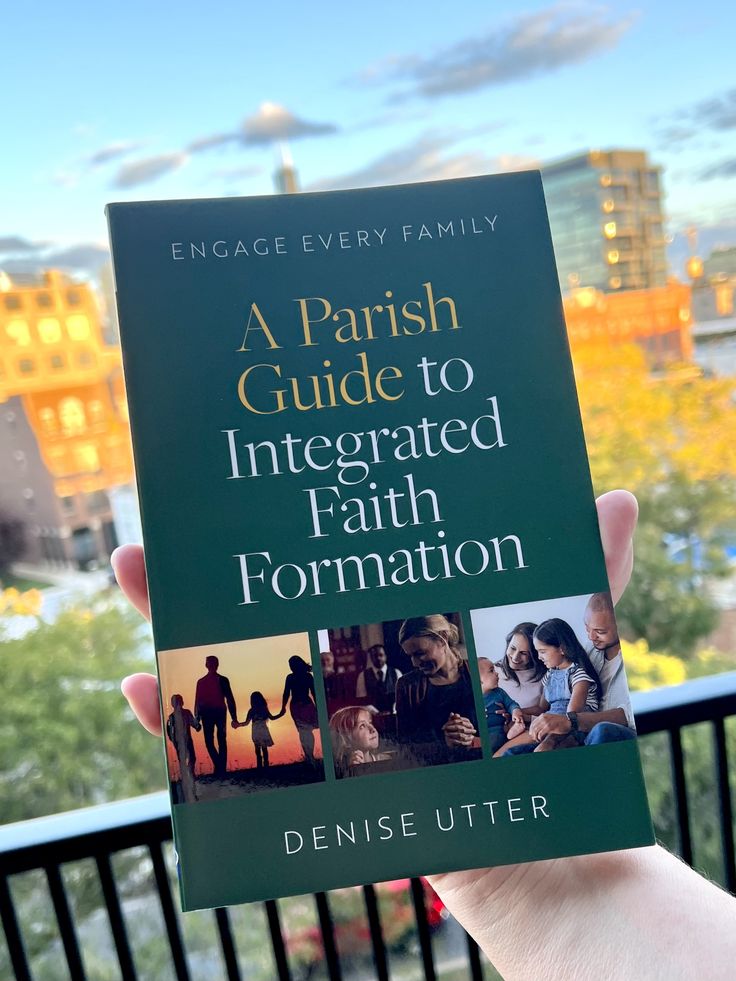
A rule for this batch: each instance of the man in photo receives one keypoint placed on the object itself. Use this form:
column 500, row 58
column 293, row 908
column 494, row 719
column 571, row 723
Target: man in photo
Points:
column 377, row 683
column 614, row 721
column 213, row 699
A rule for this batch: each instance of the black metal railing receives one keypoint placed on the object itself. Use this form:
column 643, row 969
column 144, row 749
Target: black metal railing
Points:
column 100, row 834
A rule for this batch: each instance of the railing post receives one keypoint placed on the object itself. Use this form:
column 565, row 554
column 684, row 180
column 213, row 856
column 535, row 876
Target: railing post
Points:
column 678, row 780
column 425, row 940
column 66, row 923
column 16, row 947
column 724, row 799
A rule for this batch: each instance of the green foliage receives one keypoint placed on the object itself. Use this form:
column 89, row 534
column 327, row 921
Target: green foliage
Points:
column 667, row 603
column 67, row 736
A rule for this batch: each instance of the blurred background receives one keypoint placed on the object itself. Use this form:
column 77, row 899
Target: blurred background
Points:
column 630, row 113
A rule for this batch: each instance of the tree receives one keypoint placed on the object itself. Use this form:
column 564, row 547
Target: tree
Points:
column 67, row 737
column 670, row 438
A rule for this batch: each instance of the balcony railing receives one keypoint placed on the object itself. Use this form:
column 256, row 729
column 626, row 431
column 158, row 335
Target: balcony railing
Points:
column 45, row 847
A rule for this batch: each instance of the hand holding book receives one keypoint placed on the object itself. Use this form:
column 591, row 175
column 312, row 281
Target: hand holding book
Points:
column 606, row 894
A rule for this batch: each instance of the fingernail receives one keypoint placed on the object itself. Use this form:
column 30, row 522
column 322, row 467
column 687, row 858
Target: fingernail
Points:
column 114, row 558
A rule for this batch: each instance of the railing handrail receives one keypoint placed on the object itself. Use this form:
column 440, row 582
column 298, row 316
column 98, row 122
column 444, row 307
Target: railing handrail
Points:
column 699, row 700
column 122, row 824
column 33, row 843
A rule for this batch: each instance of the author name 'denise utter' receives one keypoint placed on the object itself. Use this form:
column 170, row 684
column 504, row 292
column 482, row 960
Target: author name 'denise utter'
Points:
column 411, row 824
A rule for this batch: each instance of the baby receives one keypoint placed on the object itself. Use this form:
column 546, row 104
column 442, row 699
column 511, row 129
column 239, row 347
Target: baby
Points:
column 499, row 706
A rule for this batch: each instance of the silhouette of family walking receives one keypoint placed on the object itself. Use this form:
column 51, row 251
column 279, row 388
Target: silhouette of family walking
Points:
column 214, row 699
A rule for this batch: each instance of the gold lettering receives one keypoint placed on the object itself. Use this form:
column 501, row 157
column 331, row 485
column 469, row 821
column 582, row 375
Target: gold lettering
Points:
column 307, row 321
column 278, row 392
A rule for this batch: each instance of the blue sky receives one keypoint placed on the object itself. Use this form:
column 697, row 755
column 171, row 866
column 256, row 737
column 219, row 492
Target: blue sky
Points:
column 164, row 100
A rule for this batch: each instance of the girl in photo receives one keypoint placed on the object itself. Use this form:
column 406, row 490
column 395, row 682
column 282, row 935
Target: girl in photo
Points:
column 355, row 740
column 258, row 716
column 299, row 696
column 570, row 685
column 520, row 672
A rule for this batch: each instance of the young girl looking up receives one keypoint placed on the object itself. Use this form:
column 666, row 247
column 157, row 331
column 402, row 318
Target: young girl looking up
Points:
column 354, row 738
column 570, row 685
column 258, row 716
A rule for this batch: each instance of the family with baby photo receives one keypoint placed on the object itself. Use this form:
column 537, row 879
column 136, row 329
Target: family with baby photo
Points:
column 547, row 692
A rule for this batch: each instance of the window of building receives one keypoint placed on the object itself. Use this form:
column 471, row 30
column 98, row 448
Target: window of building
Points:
column 57, row 362
column 615, row 282
column 47, row 418
column 608, row 205
column 68, row 504
column 85, row 359
column 77, row 327
column 26, row 366
column 73, row 298
column 72, row 417
column 49, row 330
column 97, row 501
column 18, row 331
column 96, row 411
column 87, row 458
column 609, row 229
column 13, row 302
column 44, row 300
column 612, row 257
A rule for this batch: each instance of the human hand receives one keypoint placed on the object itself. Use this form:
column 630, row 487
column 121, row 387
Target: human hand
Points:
column 235, row 724
column 549, row 724
column 481, row 898
column 516, row 728
column 357, row 757
column 458, row 730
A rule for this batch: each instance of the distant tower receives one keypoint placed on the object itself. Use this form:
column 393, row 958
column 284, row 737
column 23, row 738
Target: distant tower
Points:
column 285, row 177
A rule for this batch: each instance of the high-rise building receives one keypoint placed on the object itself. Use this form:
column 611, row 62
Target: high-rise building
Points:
column 64, row 438
column 285, row 178
column 605, row 211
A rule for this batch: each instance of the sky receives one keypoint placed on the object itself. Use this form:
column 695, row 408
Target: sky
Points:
column 175, row 100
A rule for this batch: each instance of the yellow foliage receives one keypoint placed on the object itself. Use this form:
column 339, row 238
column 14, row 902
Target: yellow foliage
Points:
column 15, row 603
column 647, row 669
column 640, row 428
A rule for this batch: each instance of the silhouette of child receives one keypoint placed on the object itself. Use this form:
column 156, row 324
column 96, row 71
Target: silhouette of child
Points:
column 179, row 727
column 258, row 716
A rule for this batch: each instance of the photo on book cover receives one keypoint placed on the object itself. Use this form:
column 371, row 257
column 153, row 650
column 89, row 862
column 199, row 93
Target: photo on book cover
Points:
column 399, row 694
column 240, row 717
column 561, row 657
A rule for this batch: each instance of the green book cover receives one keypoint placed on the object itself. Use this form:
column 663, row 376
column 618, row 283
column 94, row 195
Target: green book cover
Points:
column 371, row 541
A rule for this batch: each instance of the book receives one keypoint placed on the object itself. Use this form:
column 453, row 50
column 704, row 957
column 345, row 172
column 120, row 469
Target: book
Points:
column 371, row 541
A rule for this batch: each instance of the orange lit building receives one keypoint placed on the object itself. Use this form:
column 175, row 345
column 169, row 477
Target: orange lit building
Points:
column 64, row 438
column 659, row 320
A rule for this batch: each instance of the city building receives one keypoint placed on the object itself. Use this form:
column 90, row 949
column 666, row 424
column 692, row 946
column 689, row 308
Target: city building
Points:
column 64, row 439
column 285, row 178
column 659, row 320
column 605, row 211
